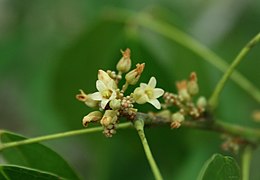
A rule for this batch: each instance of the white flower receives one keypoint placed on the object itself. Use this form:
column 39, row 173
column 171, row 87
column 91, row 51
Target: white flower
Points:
column 106, row 92
column 148, row 93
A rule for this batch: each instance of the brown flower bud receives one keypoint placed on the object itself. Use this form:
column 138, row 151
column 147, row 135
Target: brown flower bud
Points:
column 91, row 117
column 86, row 99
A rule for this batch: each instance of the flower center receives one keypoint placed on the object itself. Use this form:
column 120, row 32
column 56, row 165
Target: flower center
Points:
column 107, row 93
column 149, row 93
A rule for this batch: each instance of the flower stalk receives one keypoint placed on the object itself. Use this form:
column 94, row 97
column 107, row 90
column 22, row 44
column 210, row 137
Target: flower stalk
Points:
column 139, row 126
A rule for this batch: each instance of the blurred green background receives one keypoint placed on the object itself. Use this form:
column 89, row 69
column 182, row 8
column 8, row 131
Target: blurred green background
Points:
column 50, row 49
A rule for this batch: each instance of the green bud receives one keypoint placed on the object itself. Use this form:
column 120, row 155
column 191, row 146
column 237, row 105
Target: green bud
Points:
column 202, row 102
column 178, row 117
column 193, row 87
column 115, row 104
column 124, row 63
column 110, row 117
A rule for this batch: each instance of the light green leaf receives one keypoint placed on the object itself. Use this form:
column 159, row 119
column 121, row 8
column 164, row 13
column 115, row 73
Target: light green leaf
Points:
column 10, row 172
column 220, row 167
column 35, row 156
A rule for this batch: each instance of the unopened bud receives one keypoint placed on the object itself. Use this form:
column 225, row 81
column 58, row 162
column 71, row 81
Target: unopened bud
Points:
column 115, row 104
column 110, row 117
column 124, row 63
column 91, row 117
column 178, row 117
column 184, row 95
column 106, row 79
column 182, row 90
column 193, row 87
column 87, row 99
column 202, row 102
column 133, row 76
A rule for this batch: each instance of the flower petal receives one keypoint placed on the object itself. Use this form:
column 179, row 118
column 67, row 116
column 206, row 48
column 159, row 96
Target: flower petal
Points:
column 152, row 82
column 157, row 92
column 100, row 86
column 103, row 76
column 96, row 96
column 112, row 84
column 141, row 99
column 143, row 85
column 155, row 103
column 104, row 103
column 113, row 95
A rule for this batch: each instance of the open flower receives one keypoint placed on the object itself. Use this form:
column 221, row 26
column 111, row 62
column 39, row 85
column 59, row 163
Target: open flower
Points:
column 106, row 92
column 148, row 93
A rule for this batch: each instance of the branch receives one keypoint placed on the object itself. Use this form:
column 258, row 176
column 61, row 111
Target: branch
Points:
column 58, row 135
column 213, row 101
column 246, row 159
column 253, row 135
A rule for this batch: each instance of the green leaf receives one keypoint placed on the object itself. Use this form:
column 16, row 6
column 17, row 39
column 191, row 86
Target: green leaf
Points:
column 10, row 172
column 220, row 167
column 35, row 156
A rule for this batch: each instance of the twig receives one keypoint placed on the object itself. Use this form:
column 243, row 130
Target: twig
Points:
column 139, row 125
column 57, row 136
column 213, row 101
column 246, row 159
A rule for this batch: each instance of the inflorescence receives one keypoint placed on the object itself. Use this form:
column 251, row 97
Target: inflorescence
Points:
column 112, row 100
column 114, row 103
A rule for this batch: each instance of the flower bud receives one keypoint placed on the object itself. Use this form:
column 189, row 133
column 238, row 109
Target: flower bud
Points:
column 91, row 117
column 202, row 102
column 87, row 99
column 193, row 87
column 182, row 90
column 110, row 117
column 133, row 76
column 124, row 63
column 177, row 118
column 106, row 79
column 115, row 104
column 184, row 95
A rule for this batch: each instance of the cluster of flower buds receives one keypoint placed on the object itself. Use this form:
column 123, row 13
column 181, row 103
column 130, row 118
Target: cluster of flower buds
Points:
column 232, row 144
column 187, row 89
column 111, row 99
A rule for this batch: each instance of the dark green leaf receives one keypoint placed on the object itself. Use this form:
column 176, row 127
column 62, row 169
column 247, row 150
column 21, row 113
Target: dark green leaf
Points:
column 10, row 172
column 35, row 156
column 220, row 167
